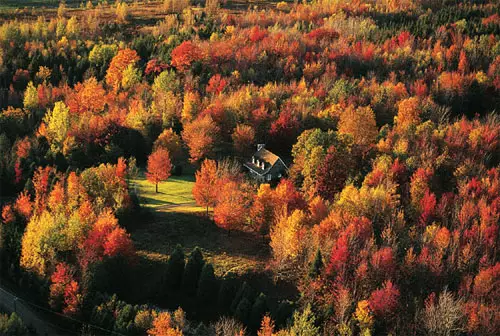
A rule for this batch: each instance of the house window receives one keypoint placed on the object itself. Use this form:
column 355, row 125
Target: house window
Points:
column 269, row 177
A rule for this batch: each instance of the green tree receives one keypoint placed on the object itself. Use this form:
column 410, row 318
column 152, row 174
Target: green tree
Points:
column 227, row 292
column 243, row 311
column 164, row 82
column 192, row 271
column 259, row 309
column 175, row 268
column 304, row 323
column 316, row 266
column 245, row 291
column 207, row 286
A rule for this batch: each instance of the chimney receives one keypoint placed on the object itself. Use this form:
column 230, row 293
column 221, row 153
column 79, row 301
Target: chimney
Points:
column 260, row 146
column 253, row 159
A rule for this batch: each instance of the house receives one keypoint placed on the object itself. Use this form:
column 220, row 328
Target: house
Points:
column 265, row 166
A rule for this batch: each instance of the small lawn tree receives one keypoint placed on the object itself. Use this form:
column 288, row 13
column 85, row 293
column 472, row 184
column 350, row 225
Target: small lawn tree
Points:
column 159, row 166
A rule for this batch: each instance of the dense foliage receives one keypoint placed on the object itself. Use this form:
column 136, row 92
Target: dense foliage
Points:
column 388, row 220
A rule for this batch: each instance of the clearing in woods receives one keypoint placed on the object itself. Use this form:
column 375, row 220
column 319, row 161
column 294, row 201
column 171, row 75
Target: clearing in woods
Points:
column 176, row 219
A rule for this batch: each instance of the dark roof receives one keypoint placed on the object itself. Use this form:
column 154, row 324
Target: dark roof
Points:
column 263, row 155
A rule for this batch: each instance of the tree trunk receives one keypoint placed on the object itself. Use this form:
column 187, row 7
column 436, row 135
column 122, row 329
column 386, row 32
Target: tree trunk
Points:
column 156, row 187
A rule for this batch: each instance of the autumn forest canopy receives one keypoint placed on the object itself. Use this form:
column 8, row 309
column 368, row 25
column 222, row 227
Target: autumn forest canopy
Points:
column 128, row 133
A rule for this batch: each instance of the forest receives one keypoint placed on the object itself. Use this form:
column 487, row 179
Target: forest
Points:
column 126, row 131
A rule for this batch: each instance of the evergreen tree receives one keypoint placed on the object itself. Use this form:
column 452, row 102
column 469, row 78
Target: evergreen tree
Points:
column 316, row 266
column 175, row 268
column 245, row 291
column 227, row 292
column 283, row 313
column 243, row 311
column 207, row 286
column 192, row 271
column 259, row 309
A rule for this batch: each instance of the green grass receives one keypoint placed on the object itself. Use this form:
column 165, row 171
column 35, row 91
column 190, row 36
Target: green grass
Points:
column 176, row 219
column 175, row 193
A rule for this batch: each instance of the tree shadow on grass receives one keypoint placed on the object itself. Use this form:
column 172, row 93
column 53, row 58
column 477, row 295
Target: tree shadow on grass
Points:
column 194, row 229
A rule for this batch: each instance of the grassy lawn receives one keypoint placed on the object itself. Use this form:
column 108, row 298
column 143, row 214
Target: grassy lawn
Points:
column 175, row 193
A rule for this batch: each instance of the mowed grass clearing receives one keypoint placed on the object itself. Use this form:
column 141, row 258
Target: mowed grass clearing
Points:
column 175, row 193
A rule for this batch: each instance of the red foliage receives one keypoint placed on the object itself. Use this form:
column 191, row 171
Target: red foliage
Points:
column 216, row 84
column 339, row 257
column 332, row 174
column 487, row 284
column 288, row 197
column 427, row 207
column 18, row 171
column 8, row 215
column 64, row 290
column 322, row 34
column 121, row 170
column 155, row 66
column 118, row 242
column 159, row 166
column 384, row 302
column 118, row 64
column 257, row 34
column 23, row 148
column 383, row 261
column 24, row 206
column 185, row 54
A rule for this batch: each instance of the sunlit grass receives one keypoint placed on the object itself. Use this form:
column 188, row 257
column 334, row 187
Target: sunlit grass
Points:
column 173, row 194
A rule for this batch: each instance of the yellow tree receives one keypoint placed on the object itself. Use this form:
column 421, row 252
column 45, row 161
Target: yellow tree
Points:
column 287, row 236
column 408, row 113
column 56, row 126
column 360, row 123
column 163, row 326
column 30, row 97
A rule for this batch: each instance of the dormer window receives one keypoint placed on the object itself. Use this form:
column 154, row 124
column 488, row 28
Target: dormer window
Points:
column 263, row 165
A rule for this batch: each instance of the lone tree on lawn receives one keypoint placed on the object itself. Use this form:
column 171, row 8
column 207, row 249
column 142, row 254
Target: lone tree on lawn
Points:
column 159, row 166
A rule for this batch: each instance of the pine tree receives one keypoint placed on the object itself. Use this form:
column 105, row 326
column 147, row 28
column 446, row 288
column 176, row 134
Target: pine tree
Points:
column 245, row 291
column 192, row 271
column 207, row 286
column 243, row 311
column 259, row 309
column 227, row 292
column 175, row 268
column 316, row 266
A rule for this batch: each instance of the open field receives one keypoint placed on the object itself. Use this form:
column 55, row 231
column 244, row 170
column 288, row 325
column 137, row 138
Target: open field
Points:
column 173, row 193
column 141, row 13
